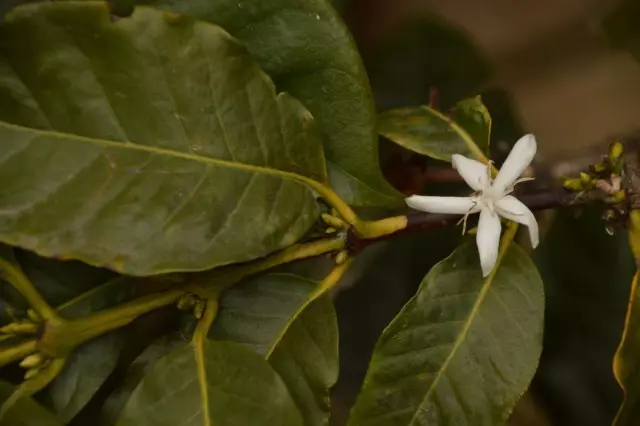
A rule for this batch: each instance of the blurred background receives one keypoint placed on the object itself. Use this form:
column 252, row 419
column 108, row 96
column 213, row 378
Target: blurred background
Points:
column 562, row 69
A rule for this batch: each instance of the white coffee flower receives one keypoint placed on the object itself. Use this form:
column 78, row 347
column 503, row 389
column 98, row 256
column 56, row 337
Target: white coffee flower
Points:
column 491, row 198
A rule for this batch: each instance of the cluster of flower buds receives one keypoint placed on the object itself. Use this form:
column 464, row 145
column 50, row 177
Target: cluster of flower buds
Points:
column 605, row 177
column 191, row 302
column 334, row 224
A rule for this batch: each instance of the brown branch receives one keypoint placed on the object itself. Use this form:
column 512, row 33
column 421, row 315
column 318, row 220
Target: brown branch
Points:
column 536, row 201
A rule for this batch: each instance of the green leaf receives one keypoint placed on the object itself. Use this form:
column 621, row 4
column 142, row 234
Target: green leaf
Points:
column 148, row 144
column 25, row 411
column 60, row 281
column 625, row 363
column 308, row 51
column 278, row 316
column 118, row 398
column 216, row 383
column 258, row 312
column 473, row 116
column 91, row 364
column 429, row 132
column 462, row 351
column 307, row 360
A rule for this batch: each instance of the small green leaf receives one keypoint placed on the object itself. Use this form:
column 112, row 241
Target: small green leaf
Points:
column 216, row 383
column 25, row 411
column 91, row 364
column 146, row 144
column 462, row 351
column 625, row 364
column 473, row 116
column 278, row 316
column 429, row 132
column 307, row 50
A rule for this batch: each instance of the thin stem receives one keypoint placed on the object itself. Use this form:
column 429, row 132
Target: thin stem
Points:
column 420, row 222
column 202, row 329
column 15, row 353
column 12, row 273
column 219, row 279
column 59, row 340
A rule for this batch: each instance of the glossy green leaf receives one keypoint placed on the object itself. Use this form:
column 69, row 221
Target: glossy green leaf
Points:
column 462, row 351
column 91, row 364
column 118, row 398
column 277, row 317
column 429, row 132
column 25, row 411
column 149, row 144
column 308, row 51
column 473, row 116
column 625, row 363
column 217, row 383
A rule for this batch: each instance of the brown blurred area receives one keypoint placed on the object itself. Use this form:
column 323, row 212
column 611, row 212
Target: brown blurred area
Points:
column 568, row 85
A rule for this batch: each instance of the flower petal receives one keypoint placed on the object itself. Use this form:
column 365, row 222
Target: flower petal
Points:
column 449, row 205
column 473, row 172
column 518, row 160
column 488, row 240
column 511, row 208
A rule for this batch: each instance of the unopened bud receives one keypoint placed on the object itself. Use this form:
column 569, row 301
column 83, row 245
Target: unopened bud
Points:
column 617, row 197
column 198, row 309
column 599, row 167
column 33, row 316
column 573, row 184
column 31, row 373
column 32, row 361
column 341, row 257
column 186, row 302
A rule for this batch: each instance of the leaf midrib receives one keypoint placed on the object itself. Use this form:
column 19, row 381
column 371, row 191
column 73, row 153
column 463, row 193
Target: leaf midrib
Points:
column 167, row 152
column 508, row 237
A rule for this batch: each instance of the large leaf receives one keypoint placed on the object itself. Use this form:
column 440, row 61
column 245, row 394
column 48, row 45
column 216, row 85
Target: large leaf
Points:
column 307, row 360
column 149, row 144
column 625, row 364
column 308, row 51
column 92, row 363
column 258, row 312
column 429, row 132
column 118, row 398
column 276, row 316
column 212, row 383
column 462, row 351
column 25, row 411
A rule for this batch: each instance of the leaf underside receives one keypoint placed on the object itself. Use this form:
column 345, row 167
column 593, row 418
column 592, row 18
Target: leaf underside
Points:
column 149, row 144
column 462, row 351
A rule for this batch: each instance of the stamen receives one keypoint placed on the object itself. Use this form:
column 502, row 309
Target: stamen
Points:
column 520, row 180
column 464, row 218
